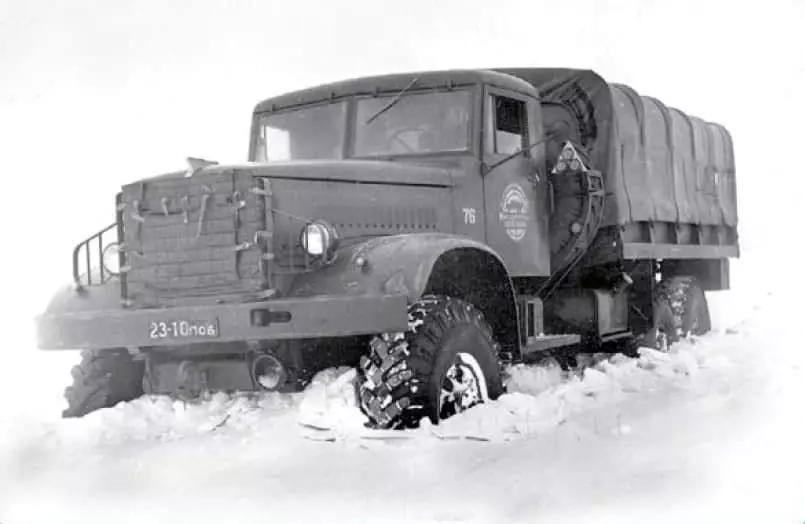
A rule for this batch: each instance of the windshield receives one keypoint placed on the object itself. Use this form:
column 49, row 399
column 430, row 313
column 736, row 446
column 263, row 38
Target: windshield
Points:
column 313, row 133
column 414, row 124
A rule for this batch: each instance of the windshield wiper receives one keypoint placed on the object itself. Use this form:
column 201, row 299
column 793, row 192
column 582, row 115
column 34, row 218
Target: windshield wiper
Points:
column 391, row 102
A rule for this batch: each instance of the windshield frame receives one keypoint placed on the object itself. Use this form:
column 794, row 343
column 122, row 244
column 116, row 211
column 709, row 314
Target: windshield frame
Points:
column 469, row 148
column 351, row 123
column 258, row 118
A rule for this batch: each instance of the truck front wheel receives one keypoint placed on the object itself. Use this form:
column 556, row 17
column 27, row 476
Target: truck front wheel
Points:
column 101, row 380
column 444, row 364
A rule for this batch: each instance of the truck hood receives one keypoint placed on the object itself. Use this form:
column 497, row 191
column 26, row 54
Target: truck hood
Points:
column 199, row 237
column 369, row 171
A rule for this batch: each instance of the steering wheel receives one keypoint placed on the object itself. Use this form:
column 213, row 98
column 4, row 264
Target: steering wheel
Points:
column 397, row 136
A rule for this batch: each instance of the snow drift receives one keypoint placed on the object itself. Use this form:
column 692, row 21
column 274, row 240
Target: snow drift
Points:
column 708, row 431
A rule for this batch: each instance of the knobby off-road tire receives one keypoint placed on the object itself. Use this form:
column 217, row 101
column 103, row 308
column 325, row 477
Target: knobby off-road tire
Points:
column 101, row 380
column 680, row 310
column 445, row 363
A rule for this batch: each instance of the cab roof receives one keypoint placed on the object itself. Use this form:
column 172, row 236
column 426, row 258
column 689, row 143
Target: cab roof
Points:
column 392, row 84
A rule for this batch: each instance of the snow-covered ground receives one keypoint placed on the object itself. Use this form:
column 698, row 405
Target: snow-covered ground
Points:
column 712, row 432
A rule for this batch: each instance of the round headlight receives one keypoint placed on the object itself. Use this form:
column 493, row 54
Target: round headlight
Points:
column 318, row 238
column 110, row 259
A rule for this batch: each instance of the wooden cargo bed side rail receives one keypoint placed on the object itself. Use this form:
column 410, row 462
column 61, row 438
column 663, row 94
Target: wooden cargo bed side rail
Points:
column 644, row 250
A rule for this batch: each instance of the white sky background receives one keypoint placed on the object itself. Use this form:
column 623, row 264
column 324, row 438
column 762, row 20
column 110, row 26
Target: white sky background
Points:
column 94, row 94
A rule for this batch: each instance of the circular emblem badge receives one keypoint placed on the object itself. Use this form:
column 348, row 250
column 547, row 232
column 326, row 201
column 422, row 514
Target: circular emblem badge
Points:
column 514, row 212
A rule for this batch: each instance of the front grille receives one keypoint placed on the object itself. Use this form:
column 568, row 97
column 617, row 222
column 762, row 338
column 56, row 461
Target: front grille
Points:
column 195, row 239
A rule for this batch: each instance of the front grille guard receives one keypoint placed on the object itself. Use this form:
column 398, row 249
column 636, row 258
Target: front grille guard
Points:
column 88, row 255
column 281, row 254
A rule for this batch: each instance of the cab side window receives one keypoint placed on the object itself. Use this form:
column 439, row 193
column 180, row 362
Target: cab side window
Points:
column 508, row 125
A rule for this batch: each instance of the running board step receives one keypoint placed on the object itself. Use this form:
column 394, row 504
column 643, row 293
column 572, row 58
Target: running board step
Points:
column 546, row 342
column 614, row 337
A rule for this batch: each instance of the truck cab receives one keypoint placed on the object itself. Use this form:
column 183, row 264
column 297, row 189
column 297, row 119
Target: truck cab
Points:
column 483, row 127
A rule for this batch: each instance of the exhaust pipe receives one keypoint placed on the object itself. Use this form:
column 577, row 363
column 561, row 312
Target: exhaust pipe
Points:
column 268, row 373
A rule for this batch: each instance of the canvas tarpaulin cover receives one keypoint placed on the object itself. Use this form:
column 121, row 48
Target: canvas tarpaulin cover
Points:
column 659, row 164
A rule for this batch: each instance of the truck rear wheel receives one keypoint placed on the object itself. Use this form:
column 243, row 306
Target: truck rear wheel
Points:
column 101, row 380
column 680, row 309
column 444, row 364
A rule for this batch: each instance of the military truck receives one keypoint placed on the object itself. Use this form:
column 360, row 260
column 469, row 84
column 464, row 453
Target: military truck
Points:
column 427, row 228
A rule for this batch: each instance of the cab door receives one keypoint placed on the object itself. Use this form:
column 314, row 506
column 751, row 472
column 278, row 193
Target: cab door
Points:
column 515, row 191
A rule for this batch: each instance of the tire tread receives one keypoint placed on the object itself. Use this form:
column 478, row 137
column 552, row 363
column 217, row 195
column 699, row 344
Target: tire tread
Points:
column 102, row 379
column 399, row 366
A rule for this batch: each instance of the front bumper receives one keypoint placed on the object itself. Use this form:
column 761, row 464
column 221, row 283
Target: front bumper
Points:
column 281, row 319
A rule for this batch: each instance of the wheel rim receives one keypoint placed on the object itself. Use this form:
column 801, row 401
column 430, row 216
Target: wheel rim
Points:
column 661, row 340
column 463, row 386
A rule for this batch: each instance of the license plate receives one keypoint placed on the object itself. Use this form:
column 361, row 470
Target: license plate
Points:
column 179, row 329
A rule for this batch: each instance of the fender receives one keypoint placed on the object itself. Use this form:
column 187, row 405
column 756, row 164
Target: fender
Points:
column 411, row 264
column 69, row 299
column 422, row 263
